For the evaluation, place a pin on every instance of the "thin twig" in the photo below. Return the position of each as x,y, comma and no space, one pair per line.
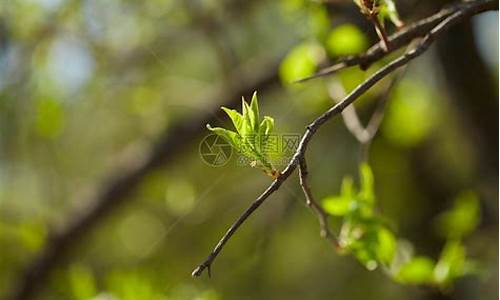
208,262
382,34
364,135
378,115
404,36
313,205
351,120
335,110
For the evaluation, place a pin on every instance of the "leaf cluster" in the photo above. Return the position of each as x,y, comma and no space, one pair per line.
252,135
367,236
363,232
454,225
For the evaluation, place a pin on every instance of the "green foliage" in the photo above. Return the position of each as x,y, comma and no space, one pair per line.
451,264
383,9
346,39
461,219
411,115
302,61
49,118
418,270
363,233
366,236
388,11
82,282
319,22
455,224
252,135
128,285
88,89
340,205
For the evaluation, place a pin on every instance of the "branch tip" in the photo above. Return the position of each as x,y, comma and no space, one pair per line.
199,270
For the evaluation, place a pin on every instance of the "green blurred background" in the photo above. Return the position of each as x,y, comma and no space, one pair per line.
89,88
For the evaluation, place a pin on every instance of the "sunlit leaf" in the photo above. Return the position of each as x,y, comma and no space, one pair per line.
346,40
128,285
451,264
82,282
300,62
266,126
411,115
367,192
252,135
386,246
336,206
347,188
389,11
249,119
402,256
236,118
230,136
461,219
419,270
254,108
366,246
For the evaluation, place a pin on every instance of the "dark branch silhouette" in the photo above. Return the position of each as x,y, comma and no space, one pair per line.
404,36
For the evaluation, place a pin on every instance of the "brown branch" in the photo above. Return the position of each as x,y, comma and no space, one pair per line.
271,189
335,110
364,135
351,120
382,34
404,36
313,205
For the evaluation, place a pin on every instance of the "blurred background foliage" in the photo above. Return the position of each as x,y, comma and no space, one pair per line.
87,87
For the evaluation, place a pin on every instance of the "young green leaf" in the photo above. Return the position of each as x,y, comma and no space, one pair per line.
251,136
248,119
367,192
386,245
248,116
347,189
336,206
266,126
389,11
341,205
302,61
230,136
419,270
461,219
346,39
237,120
451,264
254,108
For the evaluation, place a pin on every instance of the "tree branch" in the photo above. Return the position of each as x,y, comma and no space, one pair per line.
313,205
338,108
364,135
404,36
